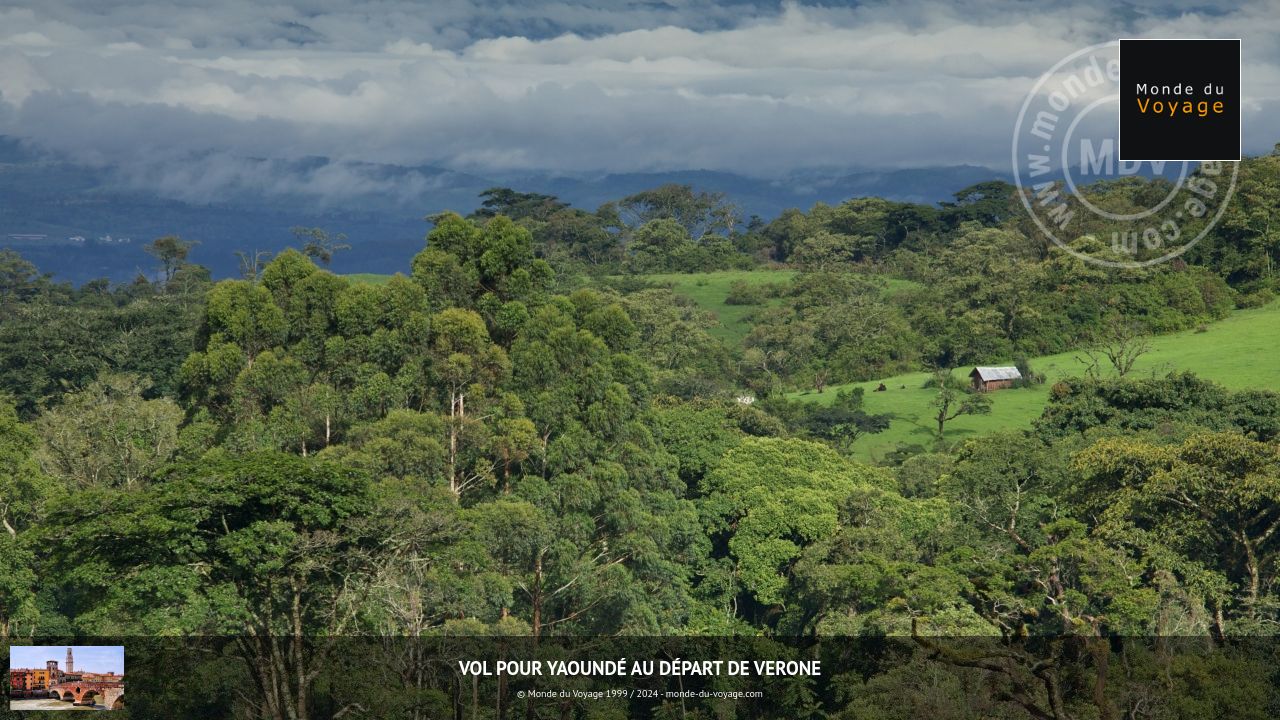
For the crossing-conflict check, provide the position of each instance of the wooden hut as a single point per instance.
(986, 379)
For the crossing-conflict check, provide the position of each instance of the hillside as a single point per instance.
(1238, 352)
(710, 289)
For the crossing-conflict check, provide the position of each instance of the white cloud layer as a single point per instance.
(759, 89)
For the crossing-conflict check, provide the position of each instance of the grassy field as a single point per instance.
(1238, 352)
(709, 290)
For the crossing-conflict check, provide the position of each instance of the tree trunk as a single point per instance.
(1100, 648)
(300, 711)
(457, 413)
(1251, 567)
(536, 599)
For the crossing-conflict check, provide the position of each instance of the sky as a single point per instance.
(758, 88)
(99, 659)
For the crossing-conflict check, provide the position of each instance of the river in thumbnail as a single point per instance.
(49, 704)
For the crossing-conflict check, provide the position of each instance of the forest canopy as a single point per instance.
(526, 434)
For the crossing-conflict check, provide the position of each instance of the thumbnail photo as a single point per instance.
(80, 677)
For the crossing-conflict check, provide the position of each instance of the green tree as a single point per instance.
(1211, 502)
(879, 572)
(697, 212)
(951, 401)
(17, 588)
(673, 335)
(825, 251)
(655, 244)
(108, 435)
(1174, 401)
(318, 244)
(844, 421)
(517, 205)
(22, 486)
(268, 548)
(466, 266)
(768, 498)
(23, 491)
(246, 314)
(19, 279)
(987, 202)
(466, 363)
(171, 251)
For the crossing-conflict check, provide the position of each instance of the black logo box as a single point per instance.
(1180, 64)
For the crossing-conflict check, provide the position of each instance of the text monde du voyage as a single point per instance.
(1175, 100)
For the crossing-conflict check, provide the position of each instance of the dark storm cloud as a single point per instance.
(751, 87)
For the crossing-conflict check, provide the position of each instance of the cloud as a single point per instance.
(756, 88)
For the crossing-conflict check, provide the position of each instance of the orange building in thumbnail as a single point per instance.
(19, 682)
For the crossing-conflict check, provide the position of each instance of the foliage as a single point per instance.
(171, 251)
(769, 498)
(318, 244)
(58, 339)
(109, 435)
(498, 445)
(1159, 403)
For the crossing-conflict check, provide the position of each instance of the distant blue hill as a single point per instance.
(248, 204)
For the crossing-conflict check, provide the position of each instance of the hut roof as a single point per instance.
(996, 373)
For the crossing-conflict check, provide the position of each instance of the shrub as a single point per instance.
(1255, 299)
(743, 293)
(1030, 378)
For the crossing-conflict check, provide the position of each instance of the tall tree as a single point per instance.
(267, 548)
(318, 244)
(769, 498)
(467, 364)
(171, 251)
(517, 205)
(22, 486)
(698, 212)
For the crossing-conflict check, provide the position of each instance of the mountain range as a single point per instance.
(82, 220)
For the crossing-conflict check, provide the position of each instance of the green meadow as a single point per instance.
(709, 289)
(1242, 351)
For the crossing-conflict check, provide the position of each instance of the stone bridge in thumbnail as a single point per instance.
(106, 694)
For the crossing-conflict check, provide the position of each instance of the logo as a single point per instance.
(1087, 201)
(1180, 99)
